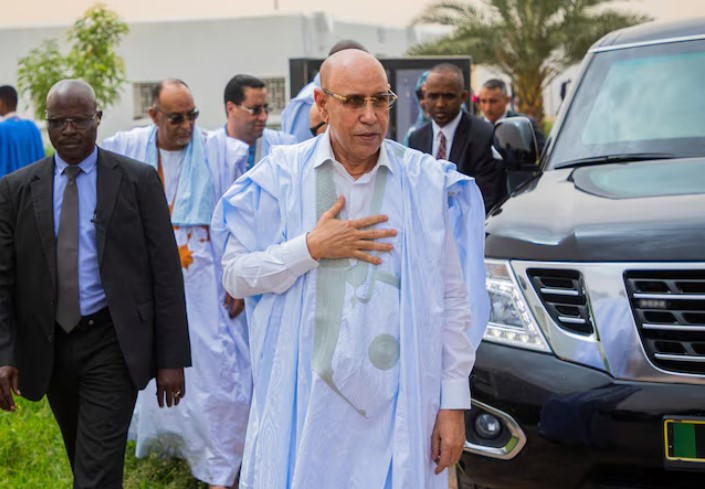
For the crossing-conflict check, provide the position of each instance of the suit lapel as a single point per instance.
(460, 140)
(109, 177)
(42, 187)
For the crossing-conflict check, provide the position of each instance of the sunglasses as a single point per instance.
(55, 123)
(256, 110)
(178, 118)
(383, 100)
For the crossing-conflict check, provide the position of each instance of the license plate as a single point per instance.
(684, 439)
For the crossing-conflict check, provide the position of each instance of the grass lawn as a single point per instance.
(32, 456)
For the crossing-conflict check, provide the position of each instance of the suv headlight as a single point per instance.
(511, 321)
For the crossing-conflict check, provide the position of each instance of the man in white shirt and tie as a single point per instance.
(458, 136)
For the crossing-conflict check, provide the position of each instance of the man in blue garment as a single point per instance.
(207, 429)
(361, 264)
(247, 108)
(20, 139)
(295, 116)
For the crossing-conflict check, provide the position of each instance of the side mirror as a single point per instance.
(515, 141)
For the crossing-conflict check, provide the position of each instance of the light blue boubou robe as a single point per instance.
(207, 428)
(347, 363)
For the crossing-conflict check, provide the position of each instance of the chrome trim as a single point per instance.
(570, 292)
(602, 49)
(615, 347)
(673, 327)
(674, 297)
(571, 320)
(514, 445)
(680, 358)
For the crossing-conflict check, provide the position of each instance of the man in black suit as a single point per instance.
(494, 103)
(457, 136)
(91, 292)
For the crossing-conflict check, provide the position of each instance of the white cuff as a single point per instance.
(297, 257)
(455, 394)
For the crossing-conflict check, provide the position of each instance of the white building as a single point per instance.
(207, 53)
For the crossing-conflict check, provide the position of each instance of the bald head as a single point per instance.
(353, 100)
(350, 63)
(174, 113)
(72, 89)
(72, 120)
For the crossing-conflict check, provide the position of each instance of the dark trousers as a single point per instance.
(92, 397)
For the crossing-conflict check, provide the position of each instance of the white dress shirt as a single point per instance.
(448, 131)
(277, 268)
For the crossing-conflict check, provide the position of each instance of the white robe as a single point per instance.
(347, 361)
(208, 426)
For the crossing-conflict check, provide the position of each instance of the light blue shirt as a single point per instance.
(90, 288)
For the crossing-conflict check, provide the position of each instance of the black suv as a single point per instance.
(592, 370)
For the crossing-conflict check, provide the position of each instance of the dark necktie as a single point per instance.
(441, 155)
(68, 308)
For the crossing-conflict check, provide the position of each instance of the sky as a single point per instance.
(386, 12)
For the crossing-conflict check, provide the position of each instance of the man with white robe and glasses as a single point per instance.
(207, 428)
(361, 265)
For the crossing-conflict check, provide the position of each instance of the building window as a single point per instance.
(276, 91)
(142, 96)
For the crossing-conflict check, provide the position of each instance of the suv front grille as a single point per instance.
(563, 295)
(669, 310)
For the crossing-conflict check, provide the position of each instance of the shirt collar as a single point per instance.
(86, 165)
(324, 153)
(8, 116)
(449, 129)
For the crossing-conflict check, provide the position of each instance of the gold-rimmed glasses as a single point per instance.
(383, 100)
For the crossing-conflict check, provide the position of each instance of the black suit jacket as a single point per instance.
(139, 268)
(472, 153)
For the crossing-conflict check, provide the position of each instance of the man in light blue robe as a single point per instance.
(361, 264)
(295, 116)
(208, 426)
(20, 139)
(247, 109)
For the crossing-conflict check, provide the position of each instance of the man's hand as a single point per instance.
(170, 386)
(234, 306)
(9, 383)
(333, 238)
(448, 438)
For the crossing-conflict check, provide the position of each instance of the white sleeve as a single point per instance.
(272, 270)
(458, 352)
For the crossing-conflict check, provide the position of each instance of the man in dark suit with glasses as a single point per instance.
(91, 296)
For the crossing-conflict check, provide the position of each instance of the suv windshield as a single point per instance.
(644, 102)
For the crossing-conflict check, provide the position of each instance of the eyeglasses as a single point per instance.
(314, 129)
(256, 110)
(82, 123)
(178, 118)
(383, 100)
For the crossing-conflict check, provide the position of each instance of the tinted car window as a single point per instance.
(648, 99)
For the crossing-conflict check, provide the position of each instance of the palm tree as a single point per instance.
(529, 40)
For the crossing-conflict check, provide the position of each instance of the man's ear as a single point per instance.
(464, 96)
(229, 107)
(98, 116)
(320, 100)
(152, 111)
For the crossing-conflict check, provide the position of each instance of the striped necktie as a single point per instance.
(441, 154)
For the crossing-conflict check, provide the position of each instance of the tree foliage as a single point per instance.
(529, 40)
(92, 57)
